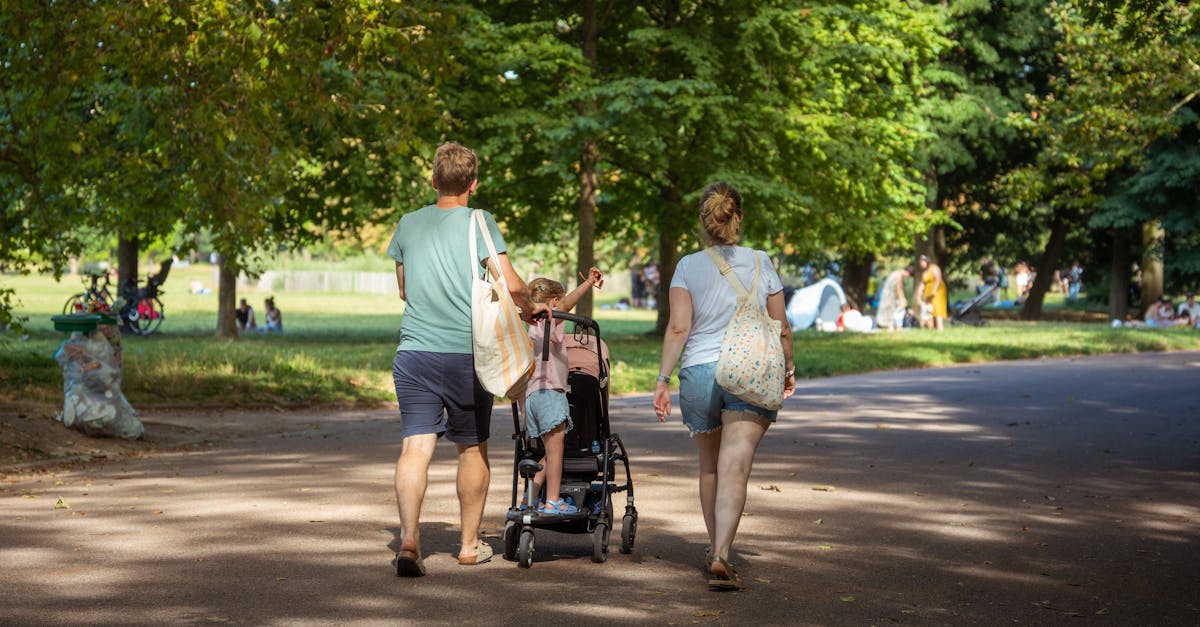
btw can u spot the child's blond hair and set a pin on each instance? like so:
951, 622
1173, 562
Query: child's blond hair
455, 167
541, 290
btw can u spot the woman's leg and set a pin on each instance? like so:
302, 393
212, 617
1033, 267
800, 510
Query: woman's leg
741, 433
708, 447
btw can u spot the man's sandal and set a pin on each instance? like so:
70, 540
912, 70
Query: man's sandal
727, 579
409, 564
483, 553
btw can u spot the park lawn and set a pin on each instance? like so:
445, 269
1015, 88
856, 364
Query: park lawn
337, 349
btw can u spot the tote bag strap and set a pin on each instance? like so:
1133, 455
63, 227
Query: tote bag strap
727, 272
477, 219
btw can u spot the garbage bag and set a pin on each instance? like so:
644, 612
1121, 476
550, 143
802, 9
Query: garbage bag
92, 398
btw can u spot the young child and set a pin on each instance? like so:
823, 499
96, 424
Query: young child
547, 414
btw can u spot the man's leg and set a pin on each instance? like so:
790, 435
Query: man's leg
474, 475
412, 473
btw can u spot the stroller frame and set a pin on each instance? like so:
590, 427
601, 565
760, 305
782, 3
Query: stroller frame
588, 474
969, 313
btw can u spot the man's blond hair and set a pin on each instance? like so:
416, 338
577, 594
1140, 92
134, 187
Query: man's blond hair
455, 167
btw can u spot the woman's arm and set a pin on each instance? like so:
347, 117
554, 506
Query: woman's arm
937, 282
777, 309
678, 328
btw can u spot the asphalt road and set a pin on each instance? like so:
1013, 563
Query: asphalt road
1034, 492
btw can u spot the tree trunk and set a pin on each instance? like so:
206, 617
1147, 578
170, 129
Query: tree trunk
669, 221
127, 262
1118, 276
1032, 310
586, 253
1152, 263
856, 276
227, 299
588, 160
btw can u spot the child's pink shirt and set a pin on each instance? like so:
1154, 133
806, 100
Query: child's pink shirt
551, 375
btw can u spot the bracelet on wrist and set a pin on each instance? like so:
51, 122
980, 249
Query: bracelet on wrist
789, 374
663, 378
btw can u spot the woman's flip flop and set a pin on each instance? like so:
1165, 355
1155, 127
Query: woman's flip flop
727, 579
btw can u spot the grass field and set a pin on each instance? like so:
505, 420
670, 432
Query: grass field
338, 348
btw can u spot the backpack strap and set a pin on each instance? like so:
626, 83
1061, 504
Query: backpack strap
727, 272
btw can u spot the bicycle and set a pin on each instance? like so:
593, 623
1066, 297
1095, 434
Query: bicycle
95, 297
142, 312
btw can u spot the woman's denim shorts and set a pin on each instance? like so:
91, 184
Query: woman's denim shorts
701, 400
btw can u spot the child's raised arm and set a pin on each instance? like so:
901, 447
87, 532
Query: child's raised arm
595, 279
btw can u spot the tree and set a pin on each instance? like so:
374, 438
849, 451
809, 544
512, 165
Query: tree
1000, 54
1114, 96
811, 111
262, 124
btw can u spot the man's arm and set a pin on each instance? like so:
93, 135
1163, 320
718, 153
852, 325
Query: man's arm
516, 288
400, 279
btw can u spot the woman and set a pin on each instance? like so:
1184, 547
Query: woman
931, 291
892, 303
726, 429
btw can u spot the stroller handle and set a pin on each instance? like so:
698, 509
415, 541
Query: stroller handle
570, 317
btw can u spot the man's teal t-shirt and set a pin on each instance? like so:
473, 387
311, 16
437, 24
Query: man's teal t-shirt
432, 245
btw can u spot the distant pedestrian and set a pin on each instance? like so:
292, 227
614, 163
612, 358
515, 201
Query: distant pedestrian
931, 292
637, 287
892, 303
1074, 281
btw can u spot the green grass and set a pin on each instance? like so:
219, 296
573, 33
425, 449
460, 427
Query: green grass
338, 348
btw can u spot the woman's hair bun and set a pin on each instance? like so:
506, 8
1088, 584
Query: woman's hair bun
721, 212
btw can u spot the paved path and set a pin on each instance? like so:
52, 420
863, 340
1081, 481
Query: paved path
1021, 492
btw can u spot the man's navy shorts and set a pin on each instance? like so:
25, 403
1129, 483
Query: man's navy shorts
439, 393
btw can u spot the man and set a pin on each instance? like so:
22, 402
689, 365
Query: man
434, 369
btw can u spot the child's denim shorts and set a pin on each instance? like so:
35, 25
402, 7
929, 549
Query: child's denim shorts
701, 400
544, 410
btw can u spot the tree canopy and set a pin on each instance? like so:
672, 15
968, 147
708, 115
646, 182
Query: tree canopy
850, 128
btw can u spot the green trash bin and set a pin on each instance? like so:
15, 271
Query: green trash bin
84, 323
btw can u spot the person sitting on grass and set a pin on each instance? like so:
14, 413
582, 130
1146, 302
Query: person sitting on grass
547, 414
1160, 313
274, 317
245, 317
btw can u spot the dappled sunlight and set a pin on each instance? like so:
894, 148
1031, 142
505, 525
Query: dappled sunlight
869, 495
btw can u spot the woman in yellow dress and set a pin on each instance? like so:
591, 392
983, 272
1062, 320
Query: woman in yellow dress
932, 291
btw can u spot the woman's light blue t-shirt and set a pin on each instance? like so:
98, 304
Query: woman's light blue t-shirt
713, 299
432, 245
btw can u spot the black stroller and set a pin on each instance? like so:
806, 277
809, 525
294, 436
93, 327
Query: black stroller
590, 457
969, 312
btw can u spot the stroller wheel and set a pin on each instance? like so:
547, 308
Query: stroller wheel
600, 542
512, 531
525, 550
628, 532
